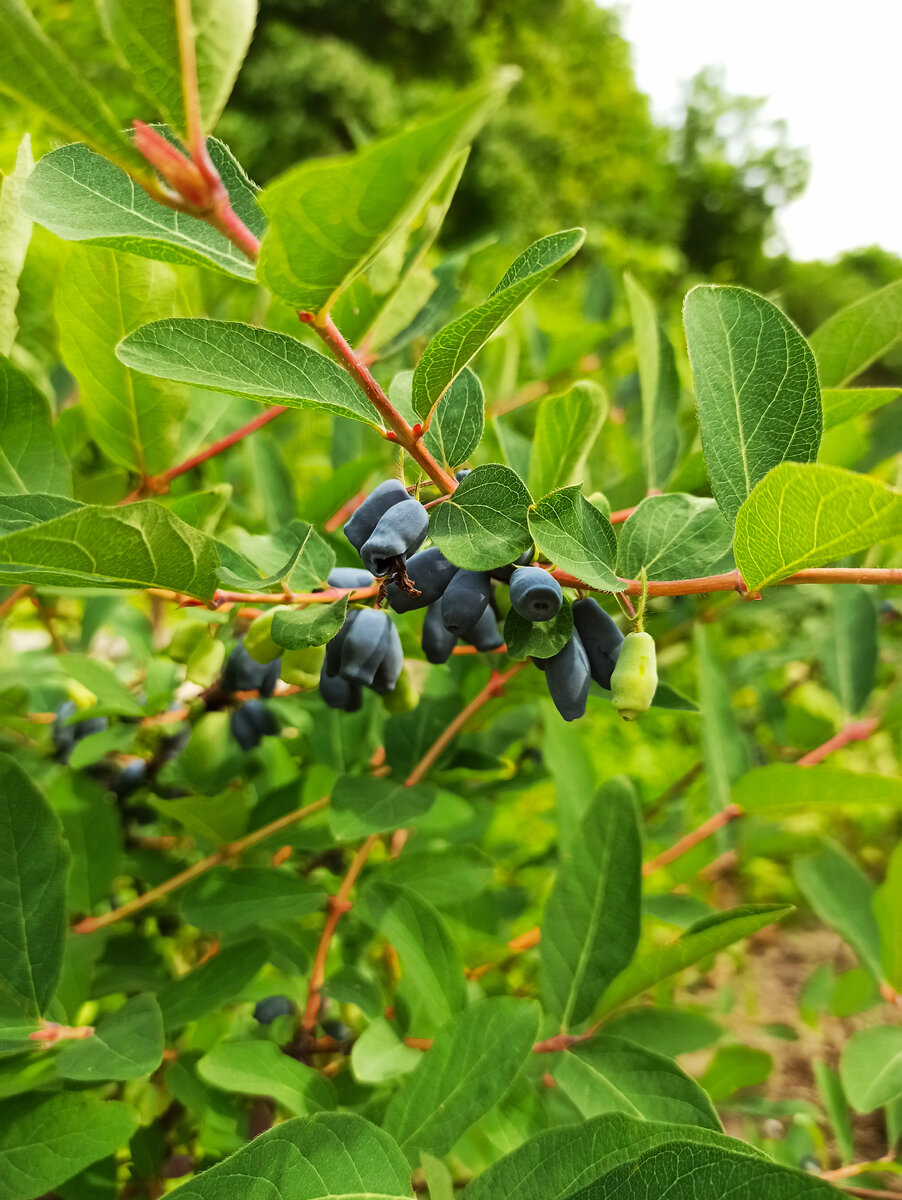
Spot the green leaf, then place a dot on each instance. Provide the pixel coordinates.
(676, 536)
(888, 911)
(759, 403)
(733, 1068)
(704, 938)
(453, 347)
(226, 356)
(807, 516)
(15, 234)
(330, 217)
(38, 72)
(615, 1155)
(257, 1068)
(147, 37)
(34, 865)
(362, 804)
(437, 1177)
(870, 1067)
(576, 537)
(781, 789)
(45, 1140)
(100, 297)
(660, 386)
(591, 924)
(668, 1031)
(566, 757)
(93, 830)
(83, 197)
(281, 575)
(836, 1106)
(858, 335)
(22, 512)
(230, 898)
(566, 428)
(32, 457)
(113, 697)
(213, 984)
(724, 748)
(380, 1055)
(610, 1074)
(133, 546)
(433, 979)
(125, 1045)
(456, 428)
(298, 628)
(483, 525)
(445, 878)
(850, 651)
(331, 1156)
(471, 1064)
(842, 404)
(537, 639)
(841, 895)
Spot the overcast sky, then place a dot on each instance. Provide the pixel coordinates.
(831, 69)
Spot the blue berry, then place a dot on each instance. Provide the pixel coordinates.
(568, 679)
(430, 573)
(389, 670)
(335, 1029)
(130, 778)
(359, 527)
(600, 637)
(485, 634)
(503, 574)
(400, 532)
(535, 594)
(251, 723)
(339, 693)
(266, 1011)
(349, 577)
(365, 645)
(65, 735)
(244, 674)
(465, 599)
(461, 474)
(437, 642)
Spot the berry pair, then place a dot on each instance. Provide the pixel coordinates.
(387, 527)
(366, 652)
(244, 674)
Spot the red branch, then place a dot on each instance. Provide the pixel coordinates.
(685, 844)
(855, 731)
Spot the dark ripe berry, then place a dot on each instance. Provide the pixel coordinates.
(266, 1011)
(568, 679)
(335, 1029)
(465, 599)
(359, 527)
(461, 474)
(364, 647)
(244, 729)
(399, 533)
(261, 718)
(243, 674)
(130, 778)
(600, 637)
(339, 693)
(168, 924)
(66, 735)
(349, 577)
(430, 573)
(270, 678)
(535, 594)
(437, 642)
(333, 647)
(485, 634)
(503, 574)
(389, 670)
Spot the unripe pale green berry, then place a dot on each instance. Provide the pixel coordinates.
(301, 668)
(258, 639)
(635, 677)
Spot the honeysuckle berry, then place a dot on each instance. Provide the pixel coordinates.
(429, 573)
(567, 677)
(251, 723)
(535, 594)
(362, 523)
(340, 693)
(398, 534)
(349, 577)
(485, 634)
(365, 646)
(437, 641)
(600, 637)
(266, 1011)
(635, 677)
(503, 574)
(465, 599)
(391, 664)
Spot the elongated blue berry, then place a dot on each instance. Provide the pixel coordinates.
(332, 664)
(437, 641)
(359, 527)
(485, 634)
(244, 674)
(399, 533)
(340, 693)
(244, 729)
(430, 573)
(465, 599)
(389, 669)
(349, 577)
(568, 679)
(364, 647)
(600, 637)
(535, 594)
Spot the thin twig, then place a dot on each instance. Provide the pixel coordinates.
(13, 599)
(855, 731)
(685, 844)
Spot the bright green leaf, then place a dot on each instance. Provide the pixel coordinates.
(15, 234)
(759, 403)
(456, 428)
(856, 336)
(483, 525)
(842, 404)
(259, 1068)
(841, 895)
(213, 984)
(445, 878)
(566, 428)
(298, 628)
(808, 516)
(576, 537)
(113, 697)
(870, 1067)
(668, 1031)
(380, 1055)
(362, 804)
(888, 911)
(724, 749)
(125, 1045)
(850, 650)
(676, 536)
(660, 386)
(783, 788)
(733, 1068)
(537, 639)
(32, 458)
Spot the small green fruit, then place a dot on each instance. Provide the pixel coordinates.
(258, 639)
(185, 638)
(301, 668)
(635, 677)
(402, 698)
(205, 661)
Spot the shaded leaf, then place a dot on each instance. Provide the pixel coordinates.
(537, 639)
(676, 536)
(213, 984)
(759, 403)
(566, 428)
(888, 911)
(93, 831)
(669, 1031)
(456, 428)
(483, 525)
(841, 895)
(576, 537)
(125, 1045)
(733, 1068)
(230, 898)
(15, 234)
(258, 1068)
(363, 804)
(850, 650)
(660, 386)
(783, 788)
(870, 1067)
(32, 458)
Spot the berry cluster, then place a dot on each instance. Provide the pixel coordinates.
(252, 721)
(387, 530)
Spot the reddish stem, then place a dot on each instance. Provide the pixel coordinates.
(685, 844)
(217, 447)
(855, 731)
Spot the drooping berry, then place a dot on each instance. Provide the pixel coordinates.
(465, 599)
(601, 638)
(535, 594)
(568, 679)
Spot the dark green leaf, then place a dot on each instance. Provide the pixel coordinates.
(591, 924)
(675, 537)
(125, 1045)
(363, 804)
(32, 458)
(34, 864)
(483, 525)
(537, 639)
(759, 403)
(456, 429)
(576, 537)
(850, 649)
(470, 1066)
(842, 896)
(298, 628)
(669, 1031)
(93, 831)
(212, 985)
(457, 344)
(230, 898)
(446, 878)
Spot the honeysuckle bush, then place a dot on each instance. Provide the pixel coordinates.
(444, 942)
